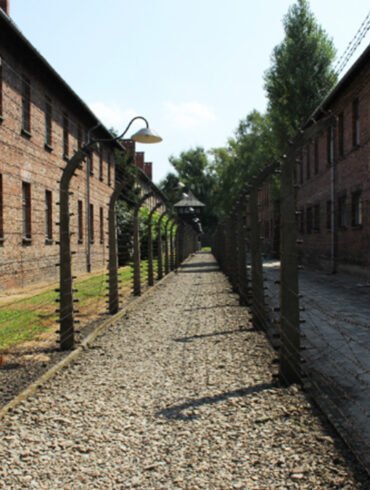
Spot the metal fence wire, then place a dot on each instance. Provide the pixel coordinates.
(319, 323)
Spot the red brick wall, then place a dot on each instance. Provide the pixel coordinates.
(24, 158)
(352, 175)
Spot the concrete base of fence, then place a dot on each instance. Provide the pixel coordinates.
(73, 355)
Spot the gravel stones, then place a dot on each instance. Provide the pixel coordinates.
(181, 393)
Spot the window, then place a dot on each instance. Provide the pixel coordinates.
(301, 221)
(342, 222)
(109, 170)
(1, 88)
(308, 162)
(355, 122)
(316, 156)
(79, 137)
(1, 211)
(101, 164)
(330, 145)
(328, 215)
(80, 222)
(65, 136)
(91, 223)
(26, 105)
(48, 217)
(26, 212)
(48, 124)
(341, 134)
(356, 209)
(90, 160)
(309, 220)
(316, 218)
(101, 223)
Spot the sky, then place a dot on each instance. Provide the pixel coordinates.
(193, 68)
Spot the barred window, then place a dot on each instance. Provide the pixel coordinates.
(342, 211)
(341, 134)
(356, 122)
(91, 223)
(328, 215)
(26, 212)
(101, 164)
(109, 170)
(316, 218)
(80, 222)
(316, 156)
(48, 122)
(309, 220)
(48, 217)
(308, 162)
(356, 209)
(330, 145)
(101, 223)
(26, 105)
(65, 136)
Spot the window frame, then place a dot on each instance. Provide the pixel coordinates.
(48, 123)
(26, 213)
(26, 106)
(48, 217)
(80, 222)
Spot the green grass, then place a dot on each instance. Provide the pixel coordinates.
(206, 249)
(25, 319)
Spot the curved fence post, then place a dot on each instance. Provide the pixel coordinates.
(113, 295)
(66, 319)
(150, 245)
(160, 251)
(172, 246)
(166, 249)
(136, 245)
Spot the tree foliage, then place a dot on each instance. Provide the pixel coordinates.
(301, 72)
(300, 75)
(252, 147)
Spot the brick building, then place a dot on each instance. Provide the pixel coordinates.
(42, 123)
(334, 178)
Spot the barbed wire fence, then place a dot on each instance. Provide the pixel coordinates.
(322, 343)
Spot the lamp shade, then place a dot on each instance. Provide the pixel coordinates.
(146, 135)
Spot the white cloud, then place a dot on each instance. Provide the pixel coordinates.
(189, 115)
(111, 115)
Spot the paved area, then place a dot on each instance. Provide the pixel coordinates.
(180, 394)
(336, 343)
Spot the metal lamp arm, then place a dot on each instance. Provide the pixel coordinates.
(117, 137)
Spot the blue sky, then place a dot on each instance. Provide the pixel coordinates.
(193, 68)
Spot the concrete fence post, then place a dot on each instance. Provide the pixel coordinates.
(66, 313)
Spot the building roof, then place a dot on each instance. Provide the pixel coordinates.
(189, 201)
(342, 84)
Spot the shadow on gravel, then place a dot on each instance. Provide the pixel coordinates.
(193, 271)
(215, 334)
(212, 307)
(195, 265)
(177, 411)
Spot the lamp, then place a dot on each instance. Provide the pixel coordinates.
(144, 135)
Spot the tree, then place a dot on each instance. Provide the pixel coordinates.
(301, 72)
(250, 150)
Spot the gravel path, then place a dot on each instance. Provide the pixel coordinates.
(179, 394)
